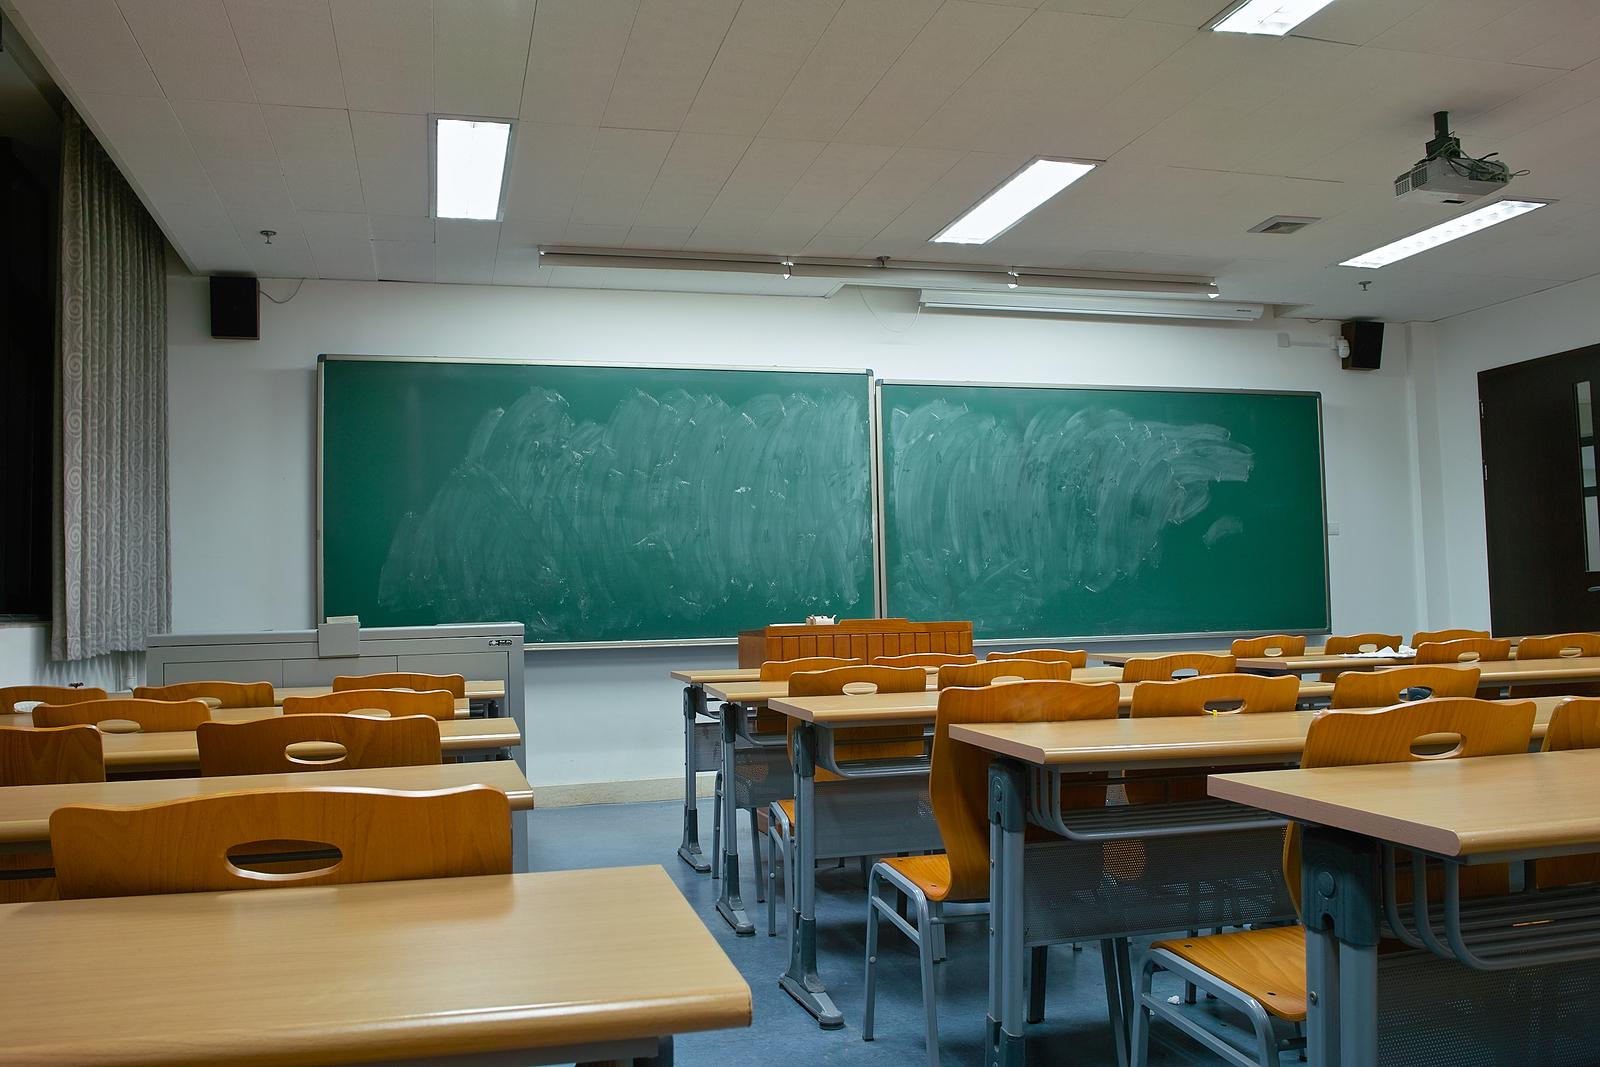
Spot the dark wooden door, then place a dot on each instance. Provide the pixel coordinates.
(1533, 493)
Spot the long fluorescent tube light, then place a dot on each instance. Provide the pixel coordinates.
(1445, 232)
(469, 167)
(1132, 307)
(1006, 206)
(1275, 17)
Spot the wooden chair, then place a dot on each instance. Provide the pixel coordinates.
(454, 684)
(43, 757)
(779, 670)
(231, 694)
(12, 695)
(1341, 646)
(1379, 689)
(1575, 723)
(1196, 696)
(974, 675)
(1422, 637)
(1557, 646)
(924, 659)
(436, 704)
(1464, 650)
(1273, 645)
(1262, 973)
(958, 786)
(867, 742)
(1162, 668)
(1076, 657)
(261, 746)
(153, 716)
(191, 845)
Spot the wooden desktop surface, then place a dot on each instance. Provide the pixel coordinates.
(1457, 807)
(731, 674)
(375, 971)
(1176, 740)
(722, 678)
(463, 711)
(490, 690)
(25, 809)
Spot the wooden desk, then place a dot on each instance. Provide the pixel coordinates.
(463, 711)
(526, 968)
(1464, 811)
(25, 809)
(1317, 662)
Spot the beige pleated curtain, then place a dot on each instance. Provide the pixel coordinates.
(112, 552)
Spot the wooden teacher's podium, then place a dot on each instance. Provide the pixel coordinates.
(853, 638)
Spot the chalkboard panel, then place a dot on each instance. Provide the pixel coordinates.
(593, 503)
(1042, 512)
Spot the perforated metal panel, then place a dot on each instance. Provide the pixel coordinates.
(867, 817)
(761, 775)
(707, 746)
(1084, 891)
(1434, 1012)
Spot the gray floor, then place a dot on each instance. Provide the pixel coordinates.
(1075, 1030)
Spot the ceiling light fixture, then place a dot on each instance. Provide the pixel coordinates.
(1115, 306)
(1445, 232)
(1007, 205)
(469, 167)
(1274, 17)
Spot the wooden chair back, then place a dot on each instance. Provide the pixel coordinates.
(153, 716)
(1162, 668)
(969, 675)
(1422, 637)
(1340, 646)
(261, 746)
(231, 694)
(1575, 723)
(1559, 646)
(12, 695)
(454, 684)
(1379, 689)
(1077, 657)
(1272, 645)
(958, 782)
(49, 757)
(436, 704)
(1464, 650)
(832, 682)
(184, 846)
(925, 659)
(1346, 738)
(781, 670)
(1196, 696)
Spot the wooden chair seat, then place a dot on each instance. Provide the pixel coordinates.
(930, 873)
(1077, 657)
(1271, 645)
(454, 684)
(1162, 668)
(153, 716)
(1269, 965)
(229, 694)
(436, 704)
(12, 695)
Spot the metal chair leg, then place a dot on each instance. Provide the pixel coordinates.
(755, 860)
(716, 832)
(1188, 987)
(930, 991)
(872, 954)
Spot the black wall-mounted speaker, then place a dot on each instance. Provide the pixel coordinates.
(235, 308)
(1366, 345)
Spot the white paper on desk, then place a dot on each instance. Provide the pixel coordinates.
(1403, 652)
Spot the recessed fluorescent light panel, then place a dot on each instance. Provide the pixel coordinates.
(469, 159)
(1445, 232)
(1006, 206)
(1275, 17)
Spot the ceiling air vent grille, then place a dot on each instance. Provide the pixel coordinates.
(1283, 224)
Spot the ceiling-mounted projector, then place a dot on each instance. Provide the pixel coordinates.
(1449, 176)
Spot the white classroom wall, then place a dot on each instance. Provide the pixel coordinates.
(244, 466)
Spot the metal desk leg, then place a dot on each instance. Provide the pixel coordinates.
(729, 904)
(694, 705)
(801, 980)
(1341, 905)
(1008, 792)
(519, 842)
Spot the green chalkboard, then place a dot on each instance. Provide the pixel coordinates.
(593, 503)
(1070, 512)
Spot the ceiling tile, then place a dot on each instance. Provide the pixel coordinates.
(669, 51)
(191, 48)
(289, 50)
(392, 153)
(693, 173)
(822, 191)
(318, 157)
(594, 236)
(89, 45)
(464, 251)
(547, 168)
(403, 261)
(577, 47)
(480, 56)
(669, 238)
(340, 245)
(1189, 13)
(386, 54)
(400, 228)
(1574, 44)
(286, 257)
(1440, 28)
(622, 166)
(904, 177)
(857, 49)
(232, 142)
(758, 184)
(759, 57)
